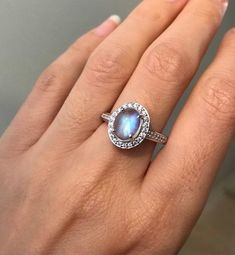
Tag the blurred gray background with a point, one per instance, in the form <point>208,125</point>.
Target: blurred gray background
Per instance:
<point>33,33</point>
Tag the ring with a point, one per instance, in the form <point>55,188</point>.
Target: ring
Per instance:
<point>129,126</point>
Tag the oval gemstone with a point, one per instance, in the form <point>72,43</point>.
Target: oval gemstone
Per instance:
<point>127,124</point>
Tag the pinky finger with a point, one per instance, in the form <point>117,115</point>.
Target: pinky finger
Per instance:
<point>51,90</point>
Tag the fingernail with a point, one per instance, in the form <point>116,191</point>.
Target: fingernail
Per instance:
<point>108,26</point>
<point>225,6</point>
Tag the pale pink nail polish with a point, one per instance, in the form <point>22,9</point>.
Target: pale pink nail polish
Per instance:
<point>225,6</point>
<point>108,26</point>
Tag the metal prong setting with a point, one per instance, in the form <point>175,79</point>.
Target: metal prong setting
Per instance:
<point>106,117</point>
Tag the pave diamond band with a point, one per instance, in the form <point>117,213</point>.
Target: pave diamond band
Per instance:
<point>129,126</point>
<point>156,137</point>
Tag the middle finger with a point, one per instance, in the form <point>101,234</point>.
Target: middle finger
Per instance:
<point>108,70</point>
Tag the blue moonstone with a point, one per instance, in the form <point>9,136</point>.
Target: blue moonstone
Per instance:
<point>127,124</point>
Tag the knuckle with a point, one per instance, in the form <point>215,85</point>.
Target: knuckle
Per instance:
<point>49,80</point>
<point>108,65</point>
<point>98,197</point>
<point>211,13</point>
<point>166,62</point>
<point>94,205</point>
<point>219,98</point>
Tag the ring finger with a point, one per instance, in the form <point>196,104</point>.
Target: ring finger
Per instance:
<point>164,71</point>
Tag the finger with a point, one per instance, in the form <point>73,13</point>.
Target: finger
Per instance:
<point>185,169</point>
<point>170,62</point>
<point>167,67</point>
<point>53,87</point>
<point>108,70</point>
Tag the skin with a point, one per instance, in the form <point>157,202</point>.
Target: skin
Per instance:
<point>65,189</point>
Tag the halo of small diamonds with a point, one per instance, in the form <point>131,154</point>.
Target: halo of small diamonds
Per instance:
<point>142,133</point>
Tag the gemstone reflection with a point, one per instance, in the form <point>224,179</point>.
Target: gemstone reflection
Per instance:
<point>127,124</point>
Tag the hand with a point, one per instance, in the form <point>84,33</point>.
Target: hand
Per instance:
<point>65,189</point>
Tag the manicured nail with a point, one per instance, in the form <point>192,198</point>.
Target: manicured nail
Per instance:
<point>225,6</point>
<point>108,26</point>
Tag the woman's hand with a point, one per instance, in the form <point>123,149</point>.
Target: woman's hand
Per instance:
<point>65,189</point>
